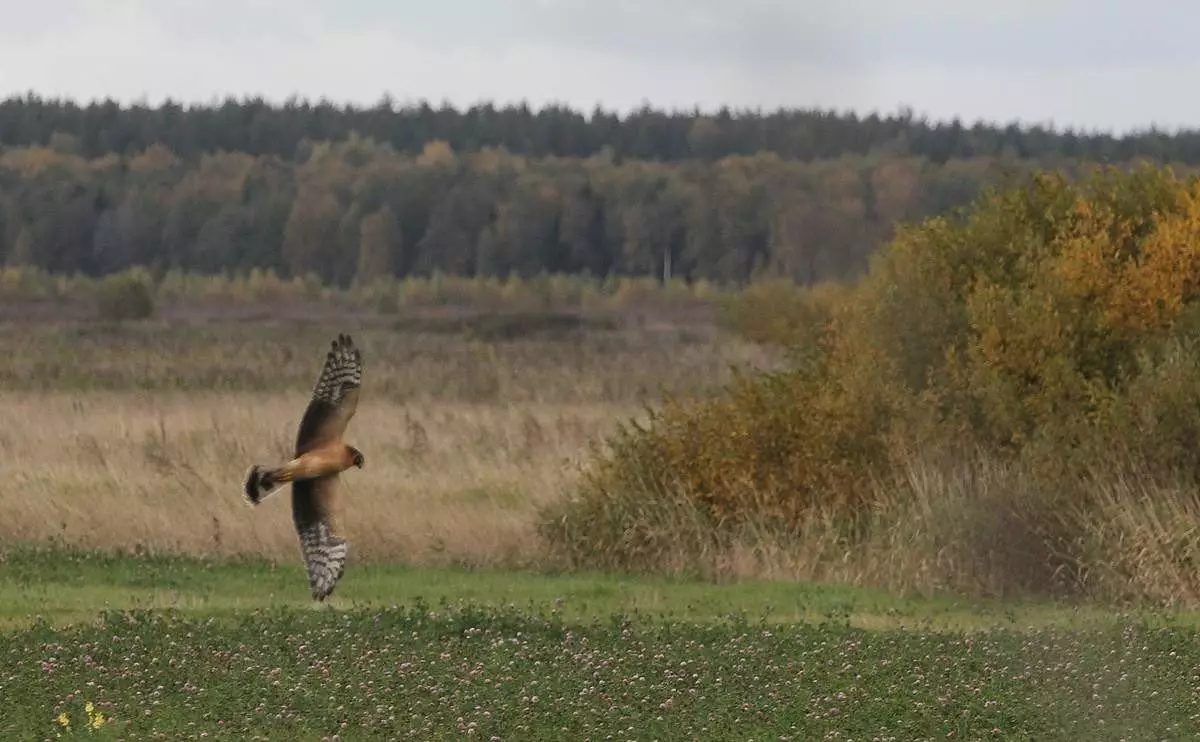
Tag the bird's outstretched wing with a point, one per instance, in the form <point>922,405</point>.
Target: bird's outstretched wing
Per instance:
<point>334,398</point>
<point>324,553</point>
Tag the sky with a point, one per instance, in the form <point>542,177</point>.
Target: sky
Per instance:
<point>1100,65</point>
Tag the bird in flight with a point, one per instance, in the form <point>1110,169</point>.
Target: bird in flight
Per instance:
<point>319,458</point>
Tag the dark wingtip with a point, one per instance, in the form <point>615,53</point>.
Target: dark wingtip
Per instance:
<point>250,485</point>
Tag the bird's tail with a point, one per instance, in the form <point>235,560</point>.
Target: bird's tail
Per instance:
<point>262,482</point>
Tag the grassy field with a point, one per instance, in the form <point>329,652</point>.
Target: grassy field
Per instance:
<point>63,586</point>
<point>178,647</point>
<point>449,622</point>
<point>139,437</point>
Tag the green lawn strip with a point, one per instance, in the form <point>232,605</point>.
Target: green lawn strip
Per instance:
<point>446,671</point>
<point>179,646</point>
<point>65,586</point>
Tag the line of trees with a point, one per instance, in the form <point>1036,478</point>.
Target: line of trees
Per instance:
<point>103,189</point>
<point>256,127</point>
<point>358,209</point>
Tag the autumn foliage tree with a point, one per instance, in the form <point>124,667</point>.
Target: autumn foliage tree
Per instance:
<point>486,213</point>
<point>1054,326</point>
<point>379,241</point>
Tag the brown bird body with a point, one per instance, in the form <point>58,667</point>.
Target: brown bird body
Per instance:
<point>331,458</point>
<point>320,457</point>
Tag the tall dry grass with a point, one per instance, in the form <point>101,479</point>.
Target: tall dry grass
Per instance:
<point>971,527</point>
<point>445,481</point>
<point>139,437</point>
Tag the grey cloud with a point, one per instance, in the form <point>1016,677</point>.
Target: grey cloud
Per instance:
<point>749,32</point>
<point>753,35</point>
<point>226,22</point>
<point>841,34</point>
<point>37,20</point>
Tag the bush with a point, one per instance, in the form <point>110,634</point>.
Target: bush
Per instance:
<point>779,312</point>
<point>1051,327</point>
<point>125,296</point>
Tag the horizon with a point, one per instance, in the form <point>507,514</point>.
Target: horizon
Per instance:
<point>1034,64</point>
<point>588,112</point>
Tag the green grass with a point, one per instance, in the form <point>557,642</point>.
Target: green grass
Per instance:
<point>437,673</point>
<point>169,647</point>
<point>67,586</point>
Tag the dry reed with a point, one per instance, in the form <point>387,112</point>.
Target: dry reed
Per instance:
<point>442,482</point>
<point>139,436</point>
<point>971,526</point>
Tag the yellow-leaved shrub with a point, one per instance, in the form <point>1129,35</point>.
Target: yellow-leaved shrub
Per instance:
<point>1052,327</point>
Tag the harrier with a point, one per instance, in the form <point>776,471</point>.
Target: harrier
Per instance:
<point>320,457</point>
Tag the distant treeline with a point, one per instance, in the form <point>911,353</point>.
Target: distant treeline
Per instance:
<point>256,127</point>
<point>104,188</point>
<point>361,210</point>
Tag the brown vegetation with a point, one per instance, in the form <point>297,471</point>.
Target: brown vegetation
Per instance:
<point>1008,402</point>
<point>138,436</point>
<point>31,293</point>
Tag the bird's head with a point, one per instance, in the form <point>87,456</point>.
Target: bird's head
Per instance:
<point>356,457</point>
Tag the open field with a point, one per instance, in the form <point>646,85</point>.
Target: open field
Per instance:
<point>139,437</point>
<point>233,650</point>
<point>450,622</point>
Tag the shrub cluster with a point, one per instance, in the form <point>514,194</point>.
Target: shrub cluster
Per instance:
<point>1050,329</point>
<point>125,296</point>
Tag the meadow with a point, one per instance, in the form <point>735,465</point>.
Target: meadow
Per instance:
<point>135,579</point>
<point>138,436</point>
<point>170,647</point>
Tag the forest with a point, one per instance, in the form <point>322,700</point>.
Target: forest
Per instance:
<point>256,127</point>
<point>351,194</point>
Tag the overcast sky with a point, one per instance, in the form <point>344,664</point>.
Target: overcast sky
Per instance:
<point>1096,65</point>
